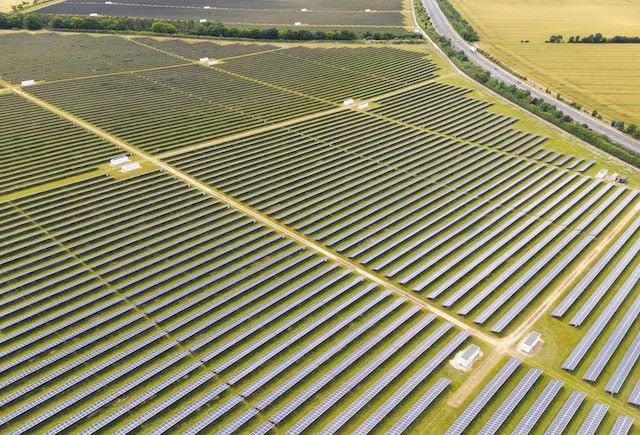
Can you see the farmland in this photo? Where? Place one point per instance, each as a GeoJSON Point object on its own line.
{"type": "Point", "coordinates": [598, 76]}
{"type": "Point", "coordinates": [377, 16]}
{"type": "Point", "coordinates": [314, 236]}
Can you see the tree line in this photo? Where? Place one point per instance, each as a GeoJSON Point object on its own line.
{"type": "Point", "coordinates": [460, 25]}
{"type": "Point", "coordinates": [34, 21]}
{"type": "Point", "coordinates": [595, 38]}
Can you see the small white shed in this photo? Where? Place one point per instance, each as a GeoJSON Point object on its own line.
{"type": "Point", "coordinates": [118, 160]}
{"type": "Point", "coordinates": [203, 20]}
{"type": "Point", "coordinates": [204, 59]}
{"type": "Point", "coordinates": [529, 343]}
{"type": "Point", "coordinates": [207, 7]}
{"type": "Point", "coordinates": [93, 14]}
{"type": "Point", "coordinates": [469, 355]}
{"type": "Point", "coordinates": [297, 23]}
{"type": "Point", "coordinates": [303, 10]}
{"type": "Point", "coordinates": [363, 105]}
{"type": "Point", "coordinates": [602, 173]}
{"type": "Point", "coordinates": [25, 83]}
{"type": "Point", "coordinates": [213, 62]}
{"type": "Point", "coordinates": [348, 102]}
{"type": "Point", "coordinates": [130, 166]}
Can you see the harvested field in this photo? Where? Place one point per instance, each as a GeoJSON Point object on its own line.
{"type": "Point", "coordinates": [599, 76]}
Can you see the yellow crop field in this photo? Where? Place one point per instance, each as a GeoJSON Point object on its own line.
{"type": "Point", "coordinates": [599, 76]}
{"type": "Point", "coordinates": [5, 5]}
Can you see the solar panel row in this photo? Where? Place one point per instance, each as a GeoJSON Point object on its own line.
{"type": "Point", "coordinates": [481, 400]}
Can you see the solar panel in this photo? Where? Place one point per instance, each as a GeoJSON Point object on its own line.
{"type": "Point", "coordinates": [624, 367]}
{"type": "Point", "coordinates": [284, 326]}
{"type": "Point", "coordinates": [417, 409]}
{"type": "Point", "coordinates": [622, 426]}
{"type": "Point", "coordinates": [593, 420]}
{"type": "Point", "coordinates": [578, 352]}
{"type": "Point", "coordinates": [634, 397]}
{"type": "Point", "coordinates": [212, 416]}
{"type": "Point", "coordinates": [538, 408]}
{"type": "Point", "coordinates": [302, 373]}
{"type": "Point", "coordinates": [388, 376]}
{"type": "Point", "coordinates": [412, 383]}
{"type": "Point", "coordinates": [566, 413]}
{"type": "Point", "coordinates": [378, 359]}
{"type": "Point", "coordinates": [506, 408]}
{"type": "Point", "coordinates": [595, 270]}
{"type": "Point", "coordinates": [474, 408]}
{"type": "Point", "coordinates": [613, 342]}
{"type": "Point", "coordinates": [339, 345]}
{"type": "Point", "coordinates": [605, 286]}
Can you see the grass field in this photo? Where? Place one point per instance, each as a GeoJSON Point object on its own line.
{"type": "Point", "coordinates": [276, 274]}
{"type": "Point", "coordinates": [598, 76]}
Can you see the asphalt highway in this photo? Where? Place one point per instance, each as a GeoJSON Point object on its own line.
{"type": "Point", "coordinates": [445, 29]}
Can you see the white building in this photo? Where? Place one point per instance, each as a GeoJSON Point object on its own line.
{"type": "Point", "coordinates": [93, 14]}
{"type": "Point", "coordinates": [297, 23]}
{"type": "Point", "coordinates": [303, 10]}
{"type": "Point", "coordinates": [529, 343]}
{"type": "Point", "coordinates": [207, 7]}
{"type": "Point", "coordinates": [130, 166]}
{"type": "Point", "coordinates": [118, 160]}
{"type": "Point", "coordinates": [602, 173]}
{"type": "Point", "coordinates": [203, 20]}
{"type": "Point", "coordinates": [27, 83]}
{"type": "Point", "coordinates": [470, 354]}
{"type": "Point", "coordinates": [213, 62]}
{"type": "Point", "coordinates": [204, 59]}
{"type": "Point", "coordinates": [348, 102]}
{"type": "Point", "coordinates": [363, 105]}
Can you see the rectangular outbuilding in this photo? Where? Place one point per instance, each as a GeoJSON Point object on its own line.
{"type": "Point", "coordinates": [469, 355]}
{"type": "Point", "coordinates": [118, 160]}
{"type": "Point", "coordinates": [130, 166]}
{"type": "Point", "coordinates": [529, 343]}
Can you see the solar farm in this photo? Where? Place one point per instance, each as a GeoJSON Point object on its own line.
{"type": "Point", "coordinates": [239, 237]}
{"type": "Point", "coordinates": [360, 15]}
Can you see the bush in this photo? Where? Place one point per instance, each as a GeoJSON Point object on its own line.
{"type": "Point", "coordinates": [163, 27]}
{"type": "Point", "coordinates": [32, 22]}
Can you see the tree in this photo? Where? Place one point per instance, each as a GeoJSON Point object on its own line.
{"type": "Point", "coordinates": [162, 27]}
{"type": "Point", "coordinates": [616, 123]}
{"type": "Point", "coordinates": [32, 22]}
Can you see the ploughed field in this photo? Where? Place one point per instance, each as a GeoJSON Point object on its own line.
{"type": "Point", "coordinates": [598, 76]}
{"type": "Point", "coordinates": [140, 302]}
{"type": "Point", "coordinates": [376, 16]}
